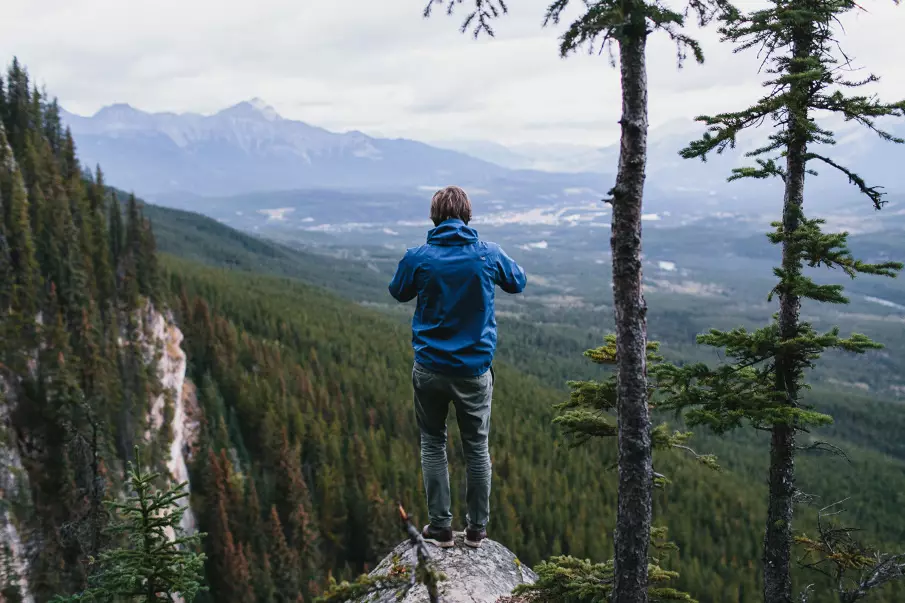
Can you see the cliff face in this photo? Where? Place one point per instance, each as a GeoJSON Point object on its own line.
{"type": "Point", "coordinates": [13, 492]}
{"type": "Point", "coordinates": [166, 340]}
{"type": "Point", "coordinates": [163, 342]}
{"type": "Point", "coordinates": [472, 575]}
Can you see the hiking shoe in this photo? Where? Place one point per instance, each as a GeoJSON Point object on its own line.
{"type": "Point", "coordinates": [442, 537]}
{"type": "Point", "coordinates": [474, 537]}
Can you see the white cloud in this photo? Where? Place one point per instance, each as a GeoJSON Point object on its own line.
{"type": "Point", "coordinates": [379, 67]}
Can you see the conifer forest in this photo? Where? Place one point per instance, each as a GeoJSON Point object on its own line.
{"type": "Point", "coordinates": [195, 412]}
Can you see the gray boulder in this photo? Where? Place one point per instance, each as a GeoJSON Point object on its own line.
{"type": "Point", "coordinates": [480, 575]}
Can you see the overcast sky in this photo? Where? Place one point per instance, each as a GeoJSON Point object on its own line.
{"type": "Point", "coordinates": [379, 67]}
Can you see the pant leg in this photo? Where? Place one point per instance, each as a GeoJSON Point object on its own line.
{"type": "Point", "coordinates": [431, 407]}
{"type": "Point", "coordinates": [472, 399]}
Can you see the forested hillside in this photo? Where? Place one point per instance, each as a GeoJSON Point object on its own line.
{"type": "Point", "coordinates": [305, 437]}
{"type": "Point", "coordinates": [711, 516]}
{"type": "Point", "coordinates": [78, 370]}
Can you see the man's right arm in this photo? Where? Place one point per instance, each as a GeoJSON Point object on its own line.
{"type": "Point", "coordinates": [402, 287]}
{"type": "Point", "coordinates": [510, 276]}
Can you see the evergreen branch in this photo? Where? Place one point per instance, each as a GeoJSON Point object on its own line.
{"type": "Point", "coordinates": [400, 578]}
{"type": "Point", "coordinates": [871, 192]}
{"type": "Point", "coordinates": [768, 169]}
{"type": "Point", "coordinates": [811, 245]}
{"type": "Point", "coordinates": [608, 21]}
{"type": "Point", "coordinates": [723, 128]}
{"type": "Point", "coordinates": [861, 109]}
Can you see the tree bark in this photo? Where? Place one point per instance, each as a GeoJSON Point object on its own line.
{"type": "Point", "coordinates": [635, 468]}
{"type": "Point", "coordinates": [780, 509]}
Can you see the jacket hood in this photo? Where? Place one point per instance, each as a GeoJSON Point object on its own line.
{"type": "Point", "coordinates": [452, 232]}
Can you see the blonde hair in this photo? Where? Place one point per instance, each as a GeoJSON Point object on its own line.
{"type": "Point", "coordinates": [450, 202]}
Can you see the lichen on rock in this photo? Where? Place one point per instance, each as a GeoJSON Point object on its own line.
{"type": "Point", "coordinates": [480, 575]}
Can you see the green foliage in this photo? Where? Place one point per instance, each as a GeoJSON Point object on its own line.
{"type": "Point", "coordinates": [153, 566]}
{"type": "Point", "coordinates": [279, 354]}
{"type": "Point", "coordinates": [585, 416]}
{"type": "Point", "coordinates": [588, 412]}
{"type": "Point", "coordinates": [808, 74]}
{"type": "Point", "coordinates": [570, 580]}
{"type": "Point", "coordinates": [802, 49]}
{"type": "Point", "coordinates": [78, 385]}
{"type": "Point", "coordinates": [367, 357]}
{"type": "Point", "coordinates": [604, 21]}
{"type": "Point", "coordinates": [397, 579]}
{"type": "Point", "coordinates": [763, 385]}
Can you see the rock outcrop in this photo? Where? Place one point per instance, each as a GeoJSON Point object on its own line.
{"type": "Point", "coordinates": [166, 340]}
{"type": "Point", "coordinates": [14, 492]}
{"type": "Point", "coordinates": [480, 575]}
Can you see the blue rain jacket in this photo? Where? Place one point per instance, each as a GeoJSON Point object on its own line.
{"type": "Point", "coordinates": [453, 276]}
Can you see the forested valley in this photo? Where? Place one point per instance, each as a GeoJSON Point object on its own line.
{"type": "Point", "coordinates": [293, 413]}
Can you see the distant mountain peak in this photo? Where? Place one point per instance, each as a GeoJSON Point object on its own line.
{"type": "Point", "coordinates": [116, 109]}
{"type": "Point", "coordinates": [255, 106]}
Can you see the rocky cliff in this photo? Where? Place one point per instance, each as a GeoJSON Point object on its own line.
{"type": "Point", "coordinates": [472, 575]}
{"type": "Point", "coordinates": [166, 339]}
{"type": "Point", "coordinates": [163, 346]}
{"type": "Point", "coordinates": [14, 493]}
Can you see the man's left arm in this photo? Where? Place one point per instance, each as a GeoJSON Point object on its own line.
{"type": "Point", "coordinates": [402, 287]}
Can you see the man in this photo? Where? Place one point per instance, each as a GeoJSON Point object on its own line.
{"type": "Point", "coordinates": [454, 337]}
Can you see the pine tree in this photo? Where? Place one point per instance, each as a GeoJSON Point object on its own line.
{"type": "Point", "coordinates": [588, 416]}
{"type": "Point", "coordinates": [284, 563]}
{"type": "Point", "coordinates": [625, 24]}
{"type": "Point", "coordinates": [53, 127]}
{"type": "Point", "coordinates": [115, 221]}
{"type": "Point", "coordinates": [153, 567]}
{"type": "Point", "coordinates": [3, 106]}
{"type": "Point", "coordinates": [764, 385]}
{"type": "Point", "coordinates": [100, 249]}
{"type": "Point", "coordinates": [18, 107]}
{"type": "Point", "coordinates": [261, 575]}
{"type": "Point", "coordinates": [25, 278]}
{"type": "Point", "coordinates": [6, 275]}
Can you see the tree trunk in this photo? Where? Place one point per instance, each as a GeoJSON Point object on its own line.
{"type": "Point", "coordinates": [635, 469]}
{"type": "Point", "coordinates": [778, 533]}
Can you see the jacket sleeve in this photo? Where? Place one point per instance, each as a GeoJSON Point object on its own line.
{"type": "Point", "coordinates": [510, 276]}
{"type": "Point", "coordinates": [402, 287]}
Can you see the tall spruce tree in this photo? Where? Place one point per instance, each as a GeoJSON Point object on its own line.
{"type": "Point", "coordinates": [25, 277]}
{"type": "Point", "coordinates": [809, 77]}
{"type": "Point", "coordinates": [153, 566]}
{"type": "Point", "coordinates": [625, 25]}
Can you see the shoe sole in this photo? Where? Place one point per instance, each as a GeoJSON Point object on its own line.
{"type": "Point", "coordinates": [440, 543]}
{"type": "Point", "coordinates": [472, 544]}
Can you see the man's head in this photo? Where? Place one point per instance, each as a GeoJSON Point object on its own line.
{"type": "Point", "coordinates": [450, 202]}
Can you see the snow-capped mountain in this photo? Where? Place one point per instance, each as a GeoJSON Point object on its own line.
{"type": "Point", "coordinates": [250, 147]}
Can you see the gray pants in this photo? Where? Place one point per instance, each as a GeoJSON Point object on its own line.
{"type": "Point", "coordinates": [471, 397]}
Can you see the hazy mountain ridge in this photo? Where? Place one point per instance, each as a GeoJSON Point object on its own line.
{"type": "Point", "coordinates": [250, 147]}
{"type": "Point", "coordinates": [857, 148]}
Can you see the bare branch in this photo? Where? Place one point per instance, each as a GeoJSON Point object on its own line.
{"type": "Point", "coordinates": [837, 555]}
{"type": "Point", "coordinates": [484, 12]}
{"type": "Point", "coordinates": [825, 447]}
{"type": "Point", "coordinates": [872, 192]}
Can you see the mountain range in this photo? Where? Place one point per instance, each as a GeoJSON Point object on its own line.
{"type": "Point", "coordinates": [250, 148]}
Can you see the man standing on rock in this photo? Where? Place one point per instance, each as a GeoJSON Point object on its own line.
{"type": "Point", "coordinates": [454, 337]}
